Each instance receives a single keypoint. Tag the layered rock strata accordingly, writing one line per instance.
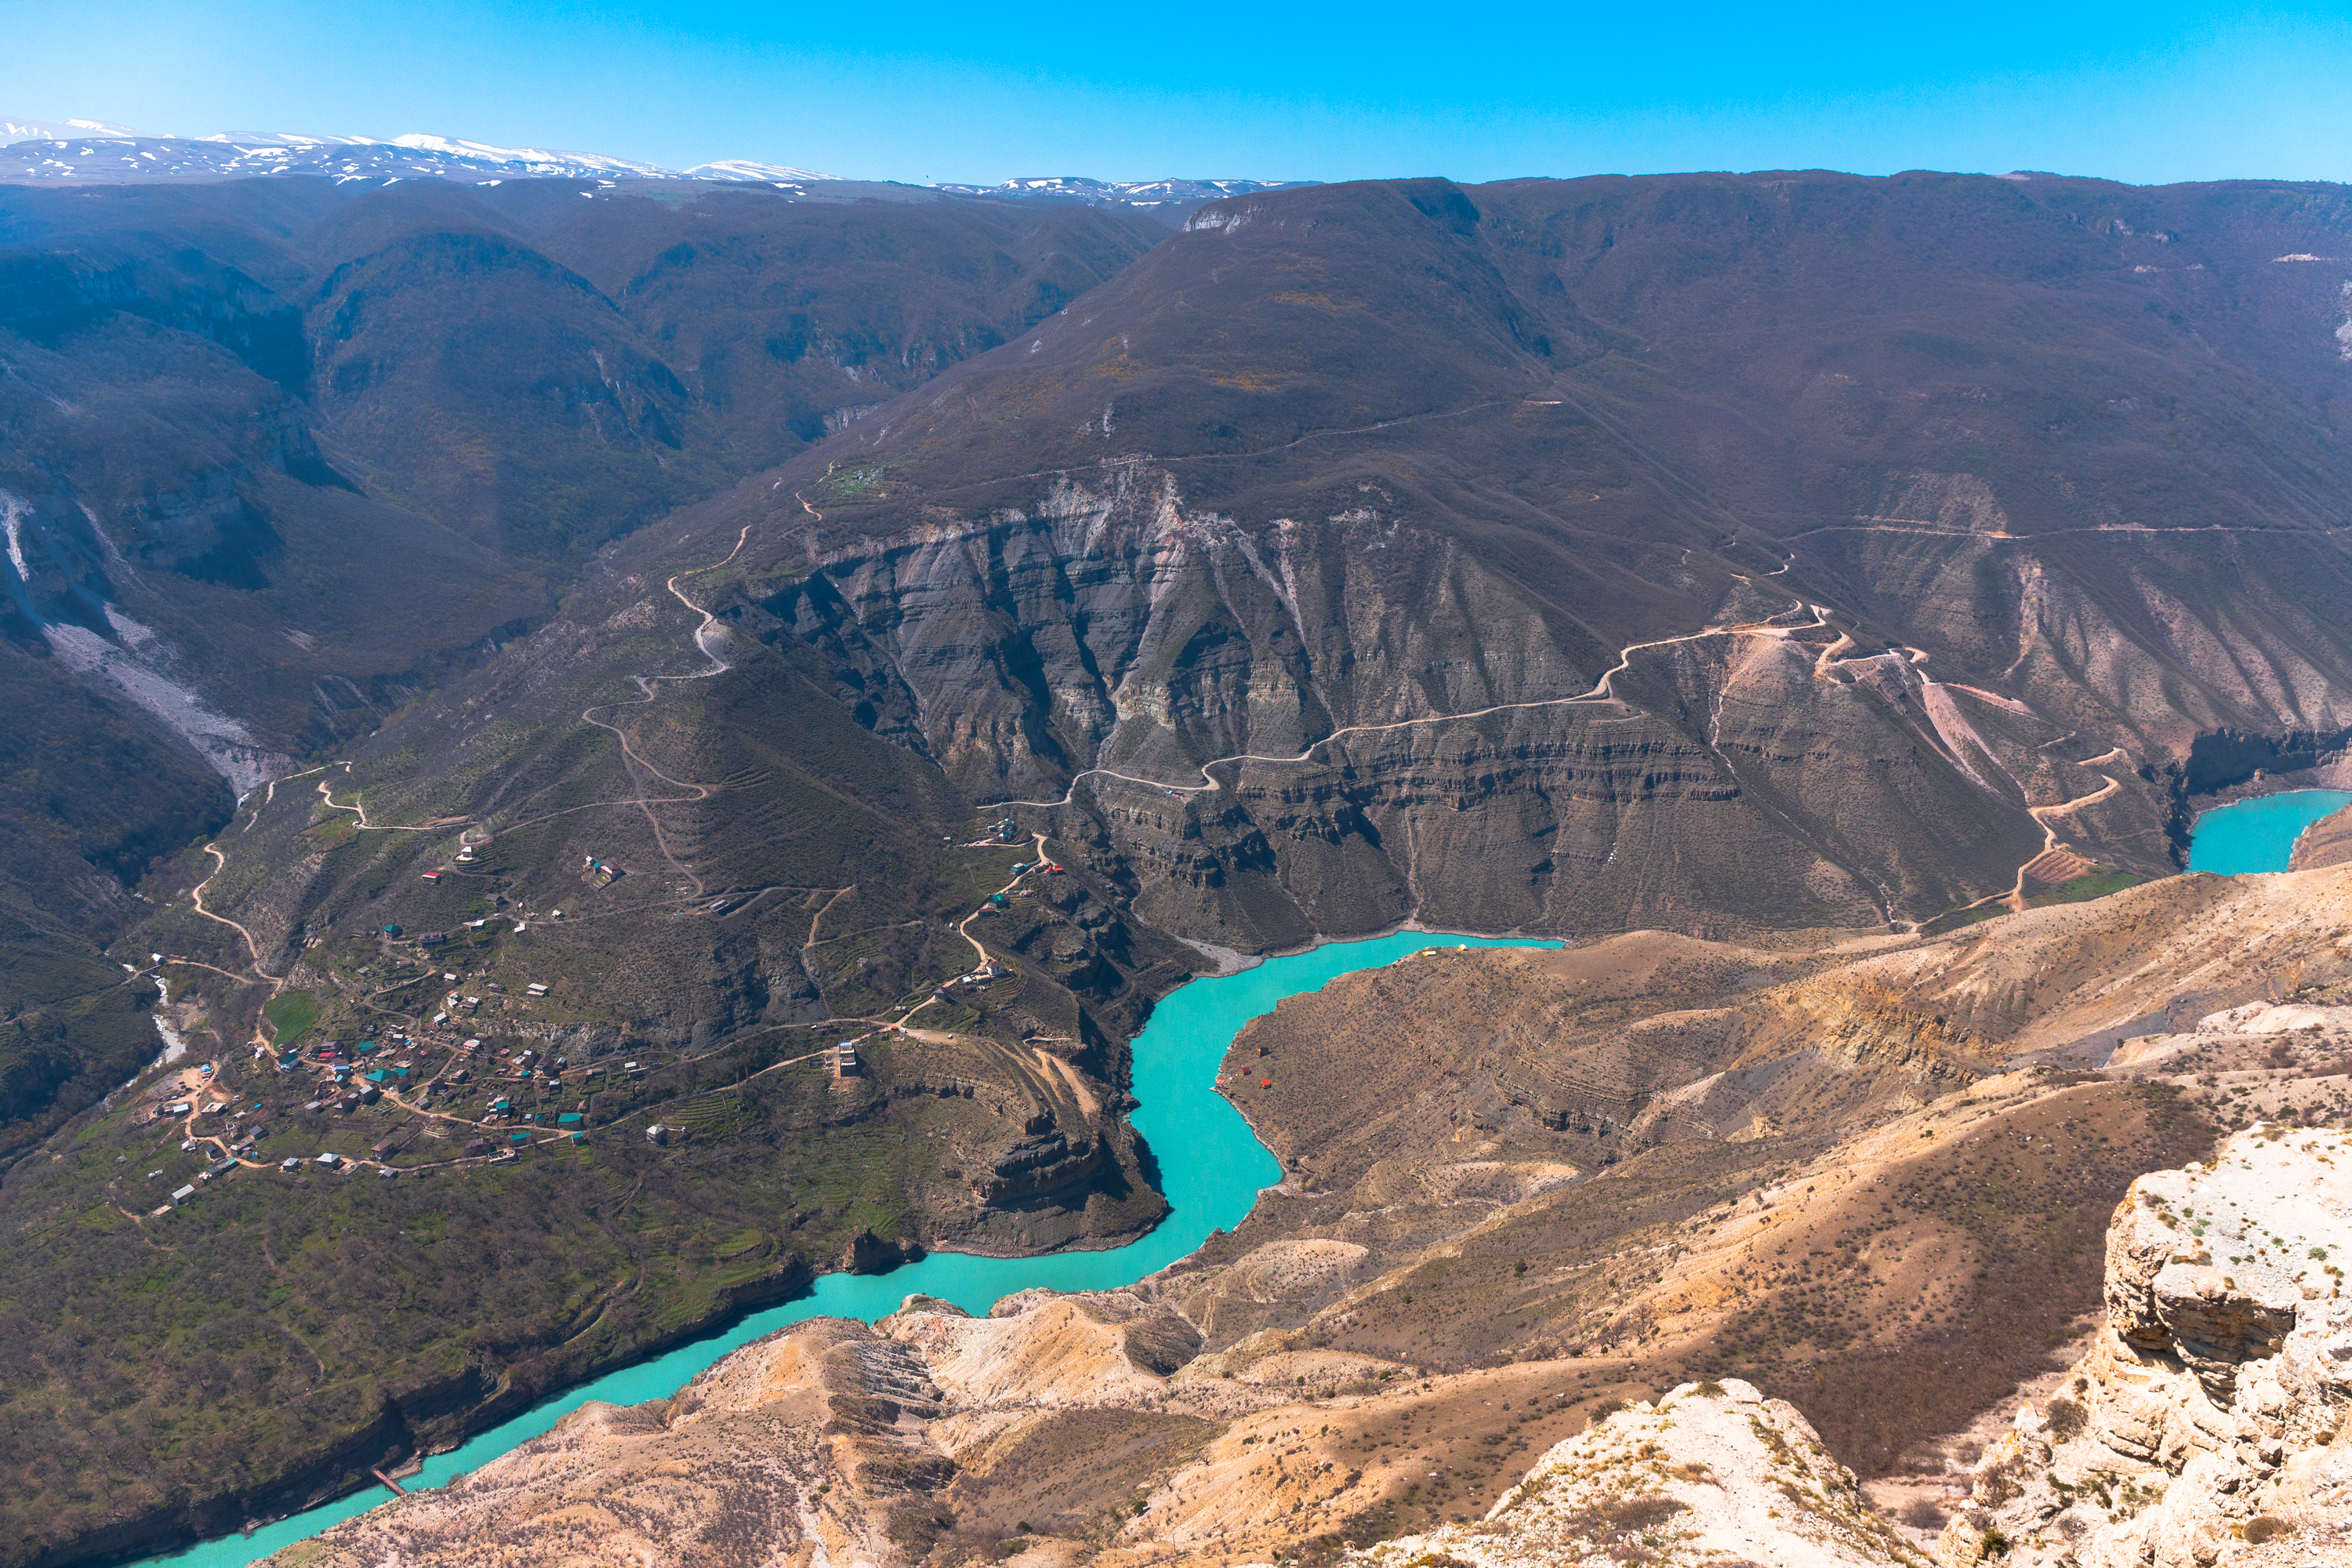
(2209, 1418)
(830, 1441)
(2327, 842)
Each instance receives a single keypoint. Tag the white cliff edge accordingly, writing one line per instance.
(2207, 1425)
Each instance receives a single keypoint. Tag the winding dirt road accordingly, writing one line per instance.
(1600, 693)
(651, 687)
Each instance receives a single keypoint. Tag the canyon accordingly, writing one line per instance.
(678, 630)
(1447, 1346)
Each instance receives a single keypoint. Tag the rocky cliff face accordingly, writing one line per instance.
(1326, 725)
(2327, 842)
(1376, 544)
(2210, 1414)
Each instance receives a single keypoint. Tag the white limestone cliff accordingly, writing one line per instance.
(2207, 1425)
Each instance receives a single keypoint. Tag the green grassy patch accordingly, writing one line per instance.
(2094, 884)
(2097, 883)
(291, 1014)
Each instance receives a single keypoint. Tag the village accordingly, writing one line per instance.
(426, 1094)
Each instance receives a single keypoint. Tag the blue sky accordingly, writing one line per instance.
(2145, 93)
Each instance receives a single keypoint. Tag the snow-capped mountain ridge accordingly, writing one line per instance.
(744, 169)
(57, 129)
(533, 159)
(92, 152)
(1188, 193)
(83, 151)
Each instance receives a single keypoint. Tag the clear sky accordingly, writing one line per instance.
(2147, 92)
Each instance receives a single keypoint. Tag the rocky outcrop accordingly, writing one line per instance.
(1112, 638)
(1713, 1473)
(2327, 842)
(2210, 1415)
(1046, 1347)
(828, 1441)
(867, 1253)
(807, 1445)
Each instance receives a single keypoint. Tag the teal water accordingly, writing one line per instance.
(1211, 1168)
(2258, 835)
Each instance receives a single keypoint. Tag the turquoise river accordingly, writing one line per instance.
(1211, 1167)
(2258, 835)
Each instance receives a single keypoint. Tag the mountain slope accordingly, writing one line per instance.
(280, 454)
(1783, 559)
(1873, 539)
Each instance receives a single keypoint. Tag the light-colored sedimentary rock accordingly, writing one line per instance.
(1711, 1474)
(828, 1442)
(2327, 842)
(2210, 1414)
(806, 1447)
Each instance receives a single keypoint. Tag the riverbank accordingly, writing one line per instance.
(1213, 1170)
(2258, 833)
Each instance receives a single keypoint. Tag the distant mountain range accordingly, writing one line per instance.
(87, 151)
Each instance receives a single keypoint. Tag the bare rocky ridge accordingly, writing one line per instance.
(1711, 1473)
(2210, 1414)
(2204, 1428)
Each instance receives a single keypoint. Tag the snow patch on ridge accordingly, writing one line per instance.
(221, 741)
(534, 159)
(745, 169)
(12, 517)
